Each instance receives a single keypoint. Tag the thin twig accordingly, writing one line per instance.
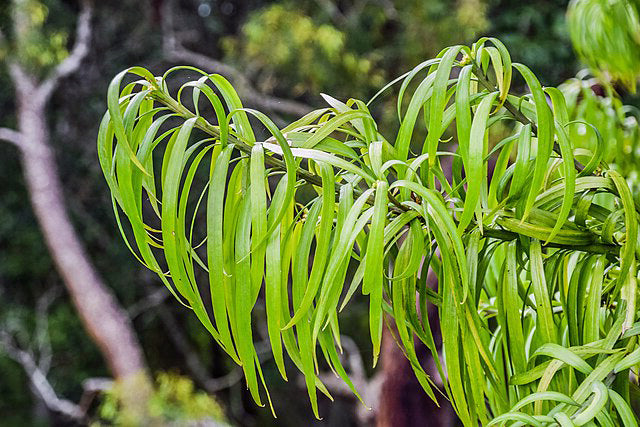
(212, 130)
(41, 333)
(38, 379)
(175, 51)
(313, 179)
(154, 301)
(92, 387)
(79, 51)
(596, 248)
(485, 81)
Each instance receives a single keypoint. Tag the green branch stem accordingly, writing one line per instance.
(595, 248)
(397, 206)
(205, 126)
(485, 81)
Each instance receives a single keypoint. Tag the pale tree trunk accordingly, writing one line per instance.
(106, 322)
(103, 318)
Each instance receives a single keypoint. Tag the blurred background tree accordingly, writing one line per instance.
(281, 55)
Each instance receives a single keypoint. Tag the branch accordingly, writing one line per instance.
(92, 387)
(174, 51)
(314, 179)
(79, 51)
(484, 80)
(205, 126)
(152, 300)
(41, 333)
(11, 136)
(37, 368)
(596, 248)
(308, 177)
(193, 362)
(516, 113)
(38, 379)
(155, 300)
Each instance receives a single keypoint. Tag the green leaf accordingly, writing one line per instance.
(474, 161)
(258, 219)
(244, 299)
(374, 262)
(322, 243)
(599, 400)
(438, 101)
(516, 416)
(545, 133)
(545, 395)
(563, 354)
(627, 416)
(629, 247)
(544, 313)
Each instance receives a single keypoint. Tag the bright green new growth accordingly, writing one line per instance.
(606, 35)
(536, 268)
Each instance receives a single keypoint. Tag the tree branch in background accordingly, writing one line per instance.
(155, 302)
(11, 136)
(193, 362)
(38, 380)
(37, 367)
(41, 334)
(175, 51)
(92, 387)
(101, 314)
(79, 51)
(35, 360)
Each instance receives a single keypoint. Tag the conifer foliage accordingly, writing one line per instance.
(536, 267)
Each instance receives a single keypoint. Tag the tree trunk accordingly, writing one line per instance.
(403, 402)
(103, 318)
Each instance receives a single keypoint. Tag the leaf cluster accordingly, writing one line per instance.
(536, 267)
(606, 36)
